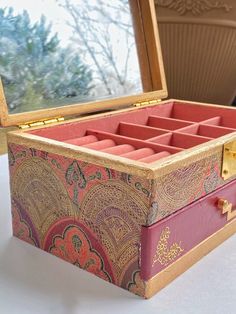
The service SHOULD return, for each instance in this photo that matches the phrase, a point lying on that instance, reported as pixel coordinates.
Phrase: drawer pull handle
(226, 208)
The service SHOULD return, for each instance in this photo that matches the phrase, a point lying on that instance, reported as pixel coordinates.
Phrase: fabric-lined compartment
(210, 131)
(147, 134)
(180, 140)
(139, 131)
(142, 150)
(220, 122)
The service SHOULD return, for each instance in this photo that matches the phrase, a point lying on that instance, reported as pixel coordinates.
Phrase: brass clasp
(229, 160)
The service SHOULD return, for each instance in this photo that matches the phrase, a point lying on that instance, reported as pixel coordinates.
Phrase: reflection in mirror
(60, 52)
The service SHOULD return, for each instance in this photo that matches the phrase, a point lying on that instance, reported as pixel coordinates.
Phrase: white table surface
(32, 281)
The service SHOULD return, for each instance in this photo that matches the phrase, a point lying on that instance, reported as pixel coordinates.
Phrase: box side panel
(187, 184)
(166, 241)
(88, 215)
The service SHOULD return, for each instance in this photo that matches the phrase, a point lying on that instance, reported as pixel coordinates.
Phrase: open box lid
(150, 66)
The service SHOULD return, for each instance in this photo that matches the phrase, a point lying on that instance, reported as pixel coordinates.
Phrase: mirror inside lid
(67, 57)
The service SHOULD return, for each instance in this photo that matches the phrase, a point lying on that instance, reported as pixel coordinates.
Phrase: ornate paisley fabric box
(135, 195)
(96, 191)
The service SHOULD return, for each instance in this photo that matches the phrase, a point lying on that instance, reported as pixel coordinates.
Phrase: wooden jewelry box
(134, 196)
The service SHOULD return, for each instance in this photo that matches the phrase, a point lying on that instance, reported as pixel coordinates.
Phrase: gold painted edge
(3, 139)
(163, 278)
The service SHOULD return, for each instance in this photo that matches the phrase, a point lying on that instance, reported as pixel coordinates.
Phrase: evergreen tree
(34, 69)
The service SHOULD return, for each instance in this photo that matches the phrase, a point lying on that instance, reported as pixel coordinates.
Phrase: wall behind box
(198, 45)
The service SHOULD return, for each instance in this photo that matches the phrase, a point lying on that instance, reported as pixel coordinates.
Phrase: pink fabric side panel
(186, 229)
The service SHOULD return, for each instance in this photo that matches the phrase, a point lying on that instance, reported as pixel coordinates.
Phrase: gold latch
(40, 123)
(147, 103)
(229, 160)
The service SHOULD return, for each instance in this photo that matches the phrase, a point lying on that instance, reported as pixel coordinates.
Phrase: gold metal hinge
(147, 103)
(40, 123)
(229, 160)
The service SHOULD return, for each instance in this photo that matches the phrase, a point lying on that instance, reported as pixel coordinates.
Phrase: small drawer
(166, 241)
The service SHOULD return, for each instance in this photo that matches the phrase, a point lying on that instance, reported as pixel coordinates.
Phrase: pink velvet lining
(147, 134)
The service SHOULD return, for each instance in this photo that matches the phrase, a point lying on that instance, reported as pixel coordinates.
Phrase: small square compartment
(208, 131)
(222, 121)
(179, 140)
(141, 132)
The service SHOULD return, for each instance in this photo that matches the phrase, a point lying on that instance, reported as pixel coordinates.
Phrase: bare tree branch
(92, 25)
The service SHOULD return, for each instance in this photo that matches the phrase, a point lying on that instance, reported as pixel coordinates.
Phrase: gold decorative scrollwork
(164, 254)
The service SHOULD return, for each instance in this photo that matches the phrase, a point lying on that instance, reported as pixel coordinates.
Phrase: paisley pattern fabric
(137, 285)
(75, 244)
(115, 213)
(23, 227)
(41, 193)
(92, 216)
(184, 186)
(87, 215)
